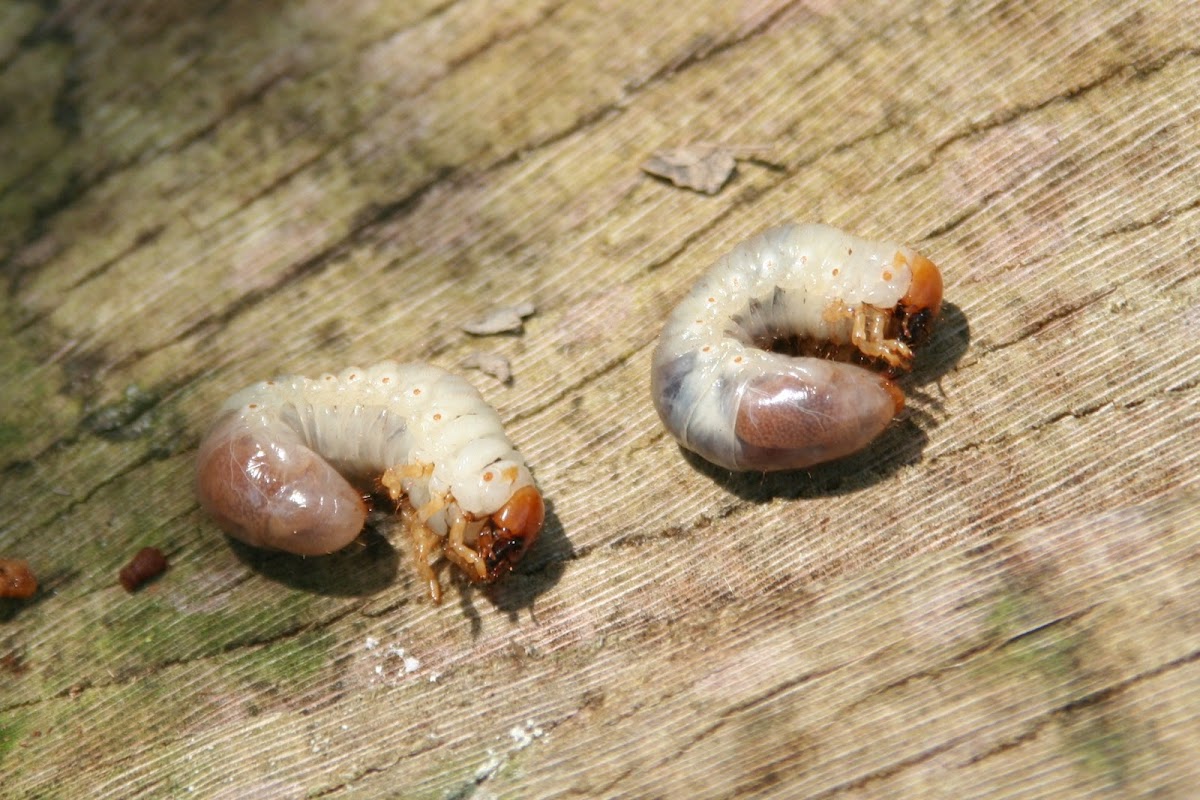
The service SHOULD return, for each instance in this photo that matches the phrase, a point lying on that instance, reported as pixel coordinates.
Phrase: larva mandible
(276, 469)
(762, 366)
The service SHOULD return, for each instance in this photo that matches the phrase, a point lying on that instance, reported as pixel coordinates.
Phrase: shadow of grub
(10, 607)
(943, 351)
(901, 443)
(364, 567)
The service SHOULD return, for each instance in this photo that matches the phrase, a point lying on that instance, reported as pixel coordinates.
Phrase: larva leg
(435, 504)
(415, 470)
(425, 545)
(393, 477)
(461, 554)
(868, 336)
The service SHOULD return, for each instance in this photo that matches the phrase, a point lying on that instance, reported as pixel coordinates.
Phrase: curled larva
(279, 467)
(764, 365)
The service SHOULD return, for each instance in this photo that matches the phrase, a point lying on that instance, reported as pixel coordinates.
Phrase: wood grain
(997, 599)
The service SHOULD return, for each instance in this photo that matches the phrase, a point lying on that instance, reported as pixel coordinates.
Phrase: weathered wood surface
(999, 599)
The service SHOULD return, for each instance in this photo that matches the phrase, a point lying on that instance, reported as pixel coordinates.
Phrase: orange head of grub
(920, 306)
(512, 530)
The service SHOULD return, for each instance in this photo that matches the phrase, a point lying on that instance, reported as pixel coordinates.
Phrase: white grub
(279, 467)
(759, 367)
(489, 363)
(500, 319)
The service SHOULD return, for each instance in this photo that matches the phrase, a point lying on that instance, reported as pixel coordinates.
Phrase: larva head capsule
(510, 531)
(920, 306)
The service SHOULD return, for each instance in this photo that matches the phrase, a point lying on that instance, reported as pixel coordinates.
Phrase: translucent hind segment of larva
(285, 465)
(781, 356)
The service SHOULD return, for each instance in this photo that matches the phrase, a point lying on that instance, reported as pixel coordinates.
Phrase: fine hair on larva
(287, 461)
(781, 356)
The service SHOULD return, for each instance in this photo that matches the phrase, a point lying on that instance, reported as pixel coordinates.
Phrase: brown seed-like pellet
(148, 563)
(16, 579)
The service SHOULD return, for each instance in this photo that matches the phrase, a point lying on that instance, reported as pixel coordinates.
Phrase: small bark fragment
(701, 167)
(501, 319)
(489, 363)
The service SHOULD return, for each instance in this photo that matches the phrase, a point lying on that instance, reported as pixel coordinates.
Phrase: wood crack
(134, 674)
(1075, 414)
(256, 95)
(75, 502)
(368, 772)
(1130, 71)
(310, 266)
(1096, 697)
(958, 660)
(730, 713)
(1159, 220)
(1064, 311)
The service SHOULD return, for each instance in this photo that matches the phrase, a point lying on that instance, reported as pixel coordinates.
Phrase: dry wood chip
(501, 319)
(701, 167)
(488, 363)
